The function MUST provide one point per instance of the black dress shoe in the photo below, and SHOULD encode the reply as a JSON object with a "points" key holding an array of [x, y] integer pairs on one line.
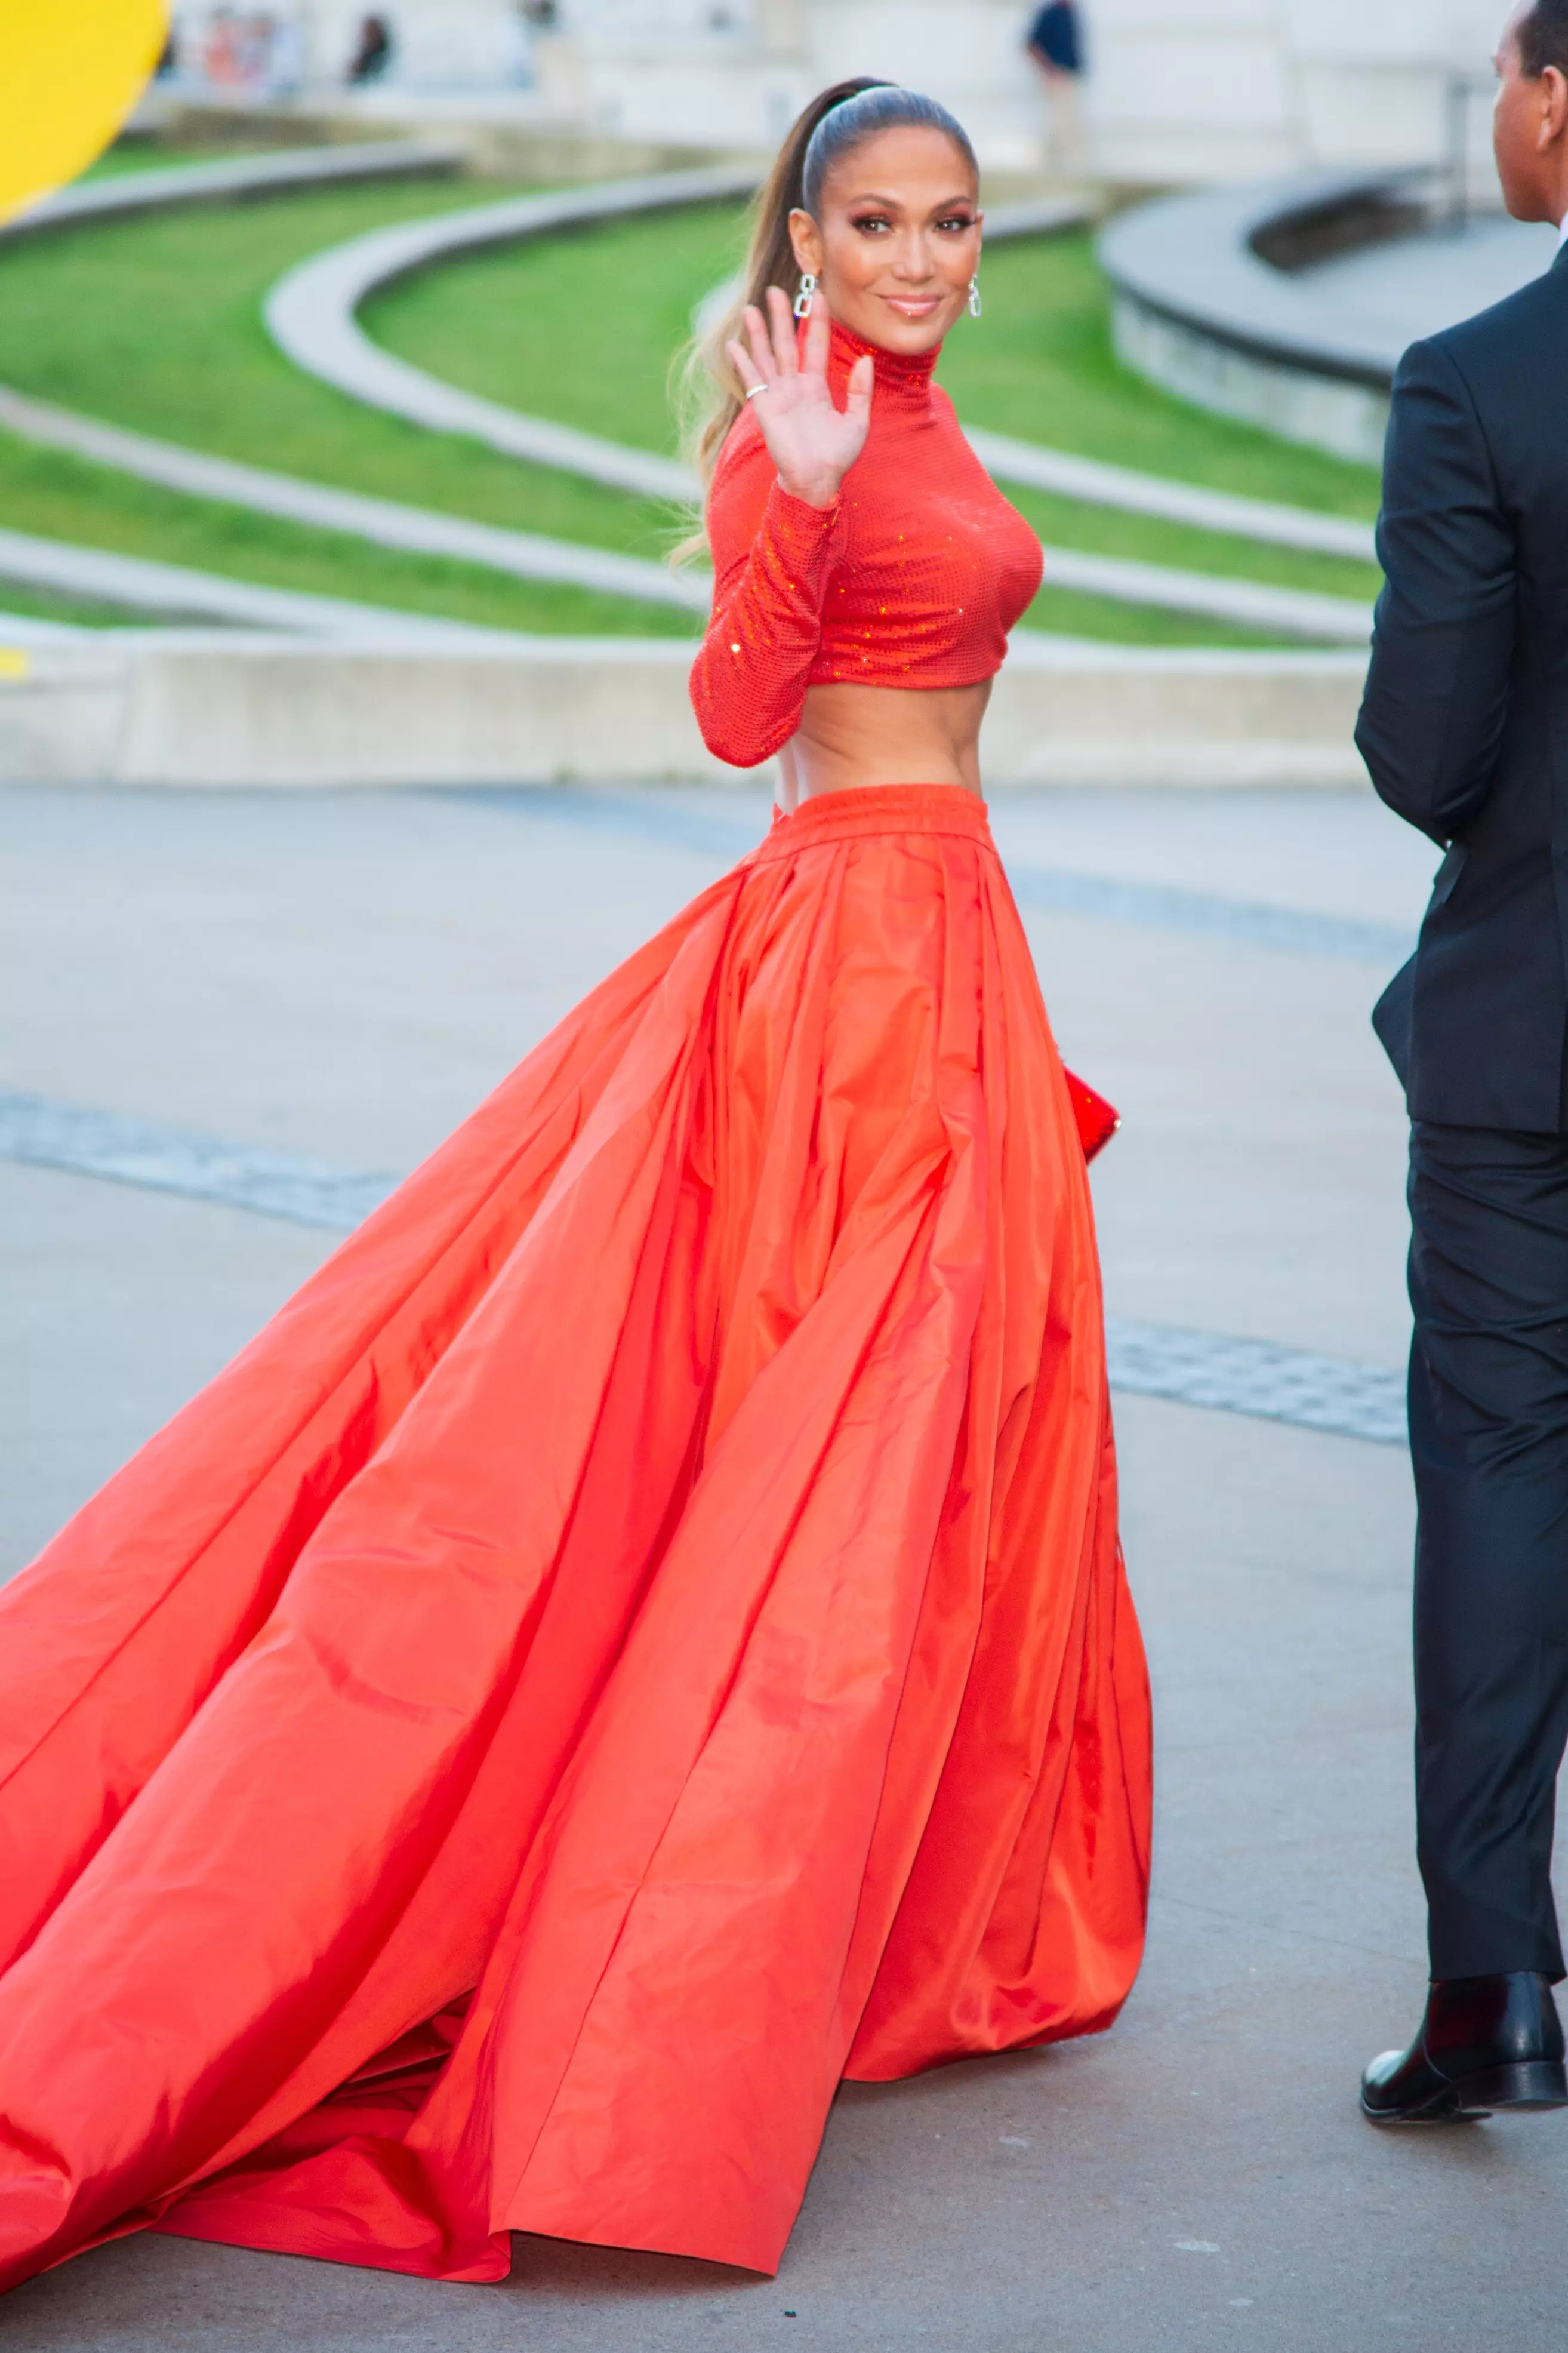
{"points": [[1485, 2044]]}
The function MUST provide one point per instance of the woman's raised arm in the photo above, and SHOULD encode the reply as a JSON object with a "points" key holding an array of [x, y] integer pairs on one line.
{"points": [[770, 523]]}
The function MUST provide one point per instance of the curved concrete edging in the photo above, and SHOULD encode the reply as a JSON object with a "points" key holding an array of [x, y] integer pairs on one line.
{"points": [[137, 583], [205, 707], [1194, 259], [1035, 468], [231, 181], [1210, 596], [1201, 312], [386, 522], [311, 315]]}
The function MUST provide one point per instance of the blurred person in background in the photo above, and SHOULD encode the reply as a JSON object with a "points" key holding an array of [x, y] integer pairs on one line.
{"points": [[373, 51], [285, 58], [223, 50], [239, 50], [1056, 44]]}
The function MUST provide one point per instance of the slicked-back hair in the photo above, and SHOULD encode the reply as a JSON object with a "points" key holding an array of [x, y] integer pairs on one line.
{"points": [[1543, 39], [864, 114]]}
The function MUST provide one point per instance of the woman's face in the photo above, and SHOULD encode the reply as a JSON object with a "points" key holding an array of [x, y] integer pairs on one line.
{"points": [[899, 239]]}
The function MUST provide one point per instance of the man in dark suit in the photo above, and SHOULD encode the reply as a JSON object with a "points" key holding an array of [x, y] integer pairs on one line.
{"points": [[1465, 730]]}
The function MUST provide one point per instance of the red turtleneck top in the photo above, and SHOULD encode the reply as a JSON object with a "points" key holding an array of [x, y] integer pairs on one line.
{"points": [[912, 577]]}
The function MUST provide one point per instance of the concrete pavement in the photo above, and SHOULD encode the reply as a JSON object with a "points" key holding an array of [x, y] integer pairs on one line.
{"points": [[344, 975]]}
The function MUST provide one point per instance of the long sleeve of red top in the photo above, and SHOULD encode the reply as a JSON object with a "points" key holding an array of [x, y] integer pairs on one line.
{"points": [[771, 566]]}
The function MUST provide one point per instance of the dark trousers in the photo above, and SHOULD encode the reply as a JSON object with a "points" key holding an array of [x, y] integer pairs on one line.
{"points": [[1488, 1440]]}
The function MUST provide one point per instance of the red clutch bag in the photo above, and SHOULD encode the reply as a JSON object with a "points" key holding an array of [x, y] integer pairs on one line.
{"points": [[1098, 1121]]}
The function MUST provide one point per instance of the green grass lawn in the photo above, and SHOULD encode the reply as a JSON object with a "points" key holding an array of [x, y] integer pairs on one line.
{"points": [[61, 497], [80, 612], [155, 323]]}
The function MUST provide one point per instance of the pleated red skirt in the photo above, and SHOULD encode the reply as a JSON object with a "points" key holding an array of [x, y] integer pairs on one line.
{"points": [[640, 1636]]}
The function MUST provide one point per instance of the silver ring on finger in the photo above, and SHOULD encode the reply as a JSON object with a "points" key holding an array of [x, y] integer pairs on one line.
{"points": [[755, 389]]}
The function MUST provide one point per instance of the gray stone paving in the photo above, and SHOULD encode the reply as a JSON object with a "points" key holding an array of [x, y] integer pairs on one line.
{"points": [[1208, 1368], [1195, 1367], [341, 976], [1237, 1376], [1298, 930], [38, 1133]]}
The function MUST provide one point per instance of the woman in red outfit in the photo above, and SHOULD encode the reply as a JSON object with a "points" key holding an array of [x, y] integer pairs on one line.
{"points": [[641, 1635]]}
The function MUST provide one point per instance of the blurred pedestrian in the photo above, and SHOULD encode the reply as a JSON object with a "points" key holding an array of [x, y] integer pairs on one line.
{"points": [[1056, 44], [222, 59], [285, 58], [373, 52]]}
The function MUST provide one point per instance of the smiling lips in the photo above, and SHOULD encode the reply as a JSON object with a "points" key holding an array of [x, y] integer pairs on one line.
{"points": [[913, 306]]}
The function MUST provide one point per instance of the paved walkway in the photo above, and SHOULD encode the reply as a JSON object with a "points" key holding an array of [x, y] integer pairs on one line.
{"points": [[340, 977]]}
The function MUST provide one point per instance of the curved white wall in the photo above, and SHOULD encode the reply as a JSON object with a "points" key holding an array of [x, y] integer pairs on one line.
{"points": [[1197, 89], [1179, 89]]}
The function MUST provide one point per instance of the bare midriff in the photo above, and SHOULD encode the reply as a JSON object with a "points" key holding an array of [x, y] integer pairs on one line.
{"points": [[851, 736]]}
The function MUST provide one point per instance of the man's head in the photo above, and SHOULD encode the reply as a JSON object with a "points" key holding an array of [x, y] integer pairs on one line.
{"points": [[1529, 129]]}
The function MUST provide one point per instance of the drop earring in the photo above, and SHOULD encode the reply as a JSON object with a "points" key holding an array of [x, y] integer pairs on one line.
{"points": [[974, 303], [801, 305]]}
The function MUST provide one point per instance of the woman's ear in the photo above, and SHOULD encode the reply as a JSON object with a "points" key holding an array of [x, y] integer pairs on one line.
{"points": [[806, 238]]}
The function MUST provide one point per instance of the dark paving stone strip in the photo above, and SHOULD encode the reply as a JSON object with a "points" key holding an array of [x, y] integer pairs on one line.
{"points": [[1051, 891], [1289, 931], [1202, 1368], [1254, 1377], [45, 1134]]}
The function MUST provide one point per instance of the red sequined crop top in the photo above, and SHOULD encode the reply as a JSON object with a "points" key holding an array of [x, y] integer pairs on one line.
{"points": [[913, 577]]}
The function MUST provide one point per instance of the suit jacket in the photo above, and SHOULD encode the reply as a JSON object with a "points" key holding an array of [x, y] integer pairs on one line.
{"points": [[1464, 725]]}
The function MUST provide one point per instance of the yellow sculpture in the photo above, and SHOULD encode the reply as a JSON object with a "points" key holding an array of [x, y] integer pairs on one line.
{"points": [[70, 72]]}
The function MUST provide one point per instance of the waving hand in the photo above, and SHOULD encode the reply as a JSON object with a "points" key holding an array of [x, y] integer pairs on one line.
{"points": [[812, 443]]}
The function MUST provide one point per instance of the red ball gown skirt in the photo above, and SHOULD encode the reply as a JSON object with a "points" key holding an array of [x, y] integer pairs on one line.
{"points": [[639, 1637]]}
